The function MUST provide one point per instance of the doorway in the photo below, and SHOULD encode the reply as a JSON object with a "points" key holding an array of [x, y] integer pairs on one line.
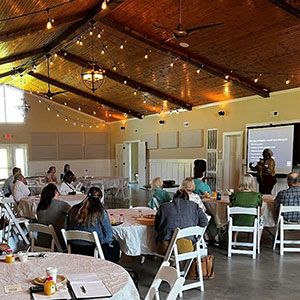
{"points": [[131, 161], [12, 156], [232, 158]]}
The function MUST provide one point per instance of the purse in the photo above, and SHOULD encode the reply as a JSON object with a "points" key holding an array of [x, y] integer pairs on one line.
{"points": [[207, 264]]}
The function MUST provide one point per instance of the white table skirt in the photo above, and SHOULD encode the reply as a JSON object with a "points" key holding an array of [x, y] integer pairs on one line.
{"points": [[116, 279], [27, 206], [134, 238]]}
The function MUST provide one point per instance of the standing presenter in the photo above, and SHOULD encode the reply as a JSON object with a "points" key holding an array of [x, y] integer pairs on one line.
{"points": [[265, 169]]}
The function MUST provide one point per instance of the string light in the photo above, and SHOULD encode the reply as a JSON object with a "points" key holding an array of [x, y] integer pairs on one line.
{"points": [[34, 68], [226, 76], [198, 71], [65, 103], [66, 119], [81, 125], [102, 51], [104, 4], [115, 68], [256, 79], [51, 61], [79, 108], [91, 31], [48, 108], [55, 54], [146, 54], [125, 81], [287, 81], [94, 112], [122, 46], [134, 93], [125, 115], [74, 123], [172, 64], [109, 114], [99, 35]]}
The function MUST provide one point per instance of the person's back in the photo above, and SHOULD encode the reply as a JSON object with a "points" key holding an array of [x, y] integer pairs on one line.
{"points": [[55, 214], [290, 197], [201, 187], [161, 196], [178, 213]]}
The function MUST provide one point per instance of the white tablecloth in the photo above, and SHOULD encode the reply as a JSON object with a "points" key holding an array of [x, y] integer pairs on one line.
{"points": [[116, 279], [36, 189], [134, 238], [107, 182], [27, 206]]}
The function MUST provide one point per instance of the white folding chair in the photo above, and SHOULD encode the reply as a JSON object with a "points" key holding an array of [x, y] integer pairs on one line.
{"points": [[12, 221], [92, 237], [168, 274], [172, 254], [123, 189], [254, 229], [44, 229], [282, 226], [156, 202]]}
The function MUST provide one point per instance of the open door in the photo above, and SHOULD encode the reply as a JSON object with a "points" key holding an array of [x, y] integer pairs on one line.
{"points": [[142, 164], [126, 160]]}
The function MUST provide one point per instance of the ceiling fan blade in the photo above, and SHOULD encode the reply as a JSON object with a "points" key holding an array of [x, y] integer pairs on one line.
{"points": [[191, 30], [161, 27], [57, 93], [169, 39]]}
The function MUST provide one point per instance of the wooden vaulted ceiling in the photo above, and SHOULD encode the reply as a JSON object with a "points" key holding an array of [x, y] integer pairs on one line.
{"points": [[258, 38]]}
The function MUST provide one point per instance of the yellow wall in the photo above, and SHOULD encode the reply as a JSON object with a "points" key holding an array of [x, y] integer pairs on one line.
{"points": [[238, 113], [39, 119]]}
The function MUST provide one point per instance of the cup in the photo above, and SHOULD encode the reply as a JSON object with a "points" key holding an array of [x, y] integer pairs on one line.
{"points": [[23, 257], [51, 272]]}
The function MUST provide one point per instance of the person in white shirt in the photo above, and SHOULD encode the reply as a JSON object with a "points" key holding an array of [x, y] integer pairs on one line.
{"points": [[67, 188], [20, 188], [9, 182]]}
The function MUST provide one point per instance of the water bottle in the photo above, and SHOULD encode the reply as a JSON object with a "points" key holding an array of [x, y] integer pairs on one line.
{"points": [[219, 196]]}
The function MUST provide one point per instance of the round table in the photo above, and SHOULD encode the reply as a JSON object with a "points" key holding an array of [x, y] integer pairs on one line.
{"points": [[116, 279]]}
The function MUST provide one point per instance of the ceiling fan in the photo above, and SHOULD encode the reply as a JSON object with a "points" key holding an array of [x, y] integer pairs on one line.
{"points": [[179, 32], [49, 94]]}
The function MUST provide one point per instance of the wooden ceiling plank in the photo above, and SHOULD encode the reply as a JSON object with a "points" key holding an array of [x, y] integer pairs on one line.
{"points": [[84, 94], [198, 62], [287, 7], [20, 56], [121, 78]]}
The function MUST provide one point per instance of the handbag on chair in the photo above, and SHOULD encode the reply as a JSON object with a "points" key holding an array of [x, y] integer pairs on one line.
{"points": [[207, 264]]}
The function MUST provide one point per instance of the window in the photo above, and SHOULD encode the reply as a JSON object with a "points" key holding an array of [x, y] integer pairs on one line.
{"points": [[11, 103]]}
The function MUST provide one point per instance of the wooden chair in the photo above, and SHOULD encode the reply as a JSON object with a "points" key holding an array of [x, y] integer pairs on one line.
{"points": [[49, 230], [199, 250], [92, 237], [283, 226], [12, 222], [255, 245], [169, 275]]}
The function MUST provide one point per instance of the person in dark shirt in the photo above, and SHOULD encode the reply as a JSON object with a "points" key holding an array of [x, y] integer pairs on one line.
{"points": [[180, 213]]}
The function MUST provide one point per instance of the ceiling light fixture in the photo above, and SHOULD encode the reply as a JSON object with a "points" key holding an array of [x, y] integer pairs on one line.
{"points": [[184, 45], [93, 75], [50, 21]]}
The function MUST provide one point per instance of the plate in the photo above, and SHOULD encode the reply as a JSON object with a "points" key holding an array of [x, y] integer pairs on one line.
{"points": [[116, 223], [41, 280]]}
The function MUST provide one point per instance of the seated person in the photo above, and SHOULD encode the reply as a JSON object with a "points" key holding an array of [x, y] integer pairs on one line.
{"points": [[290, 197], [189, 186], [90, 215], [246, 197], [4, 247], [52, 211], [66, 169], [161, 195], [212, 232], [51, 177], [9, 182], [180, 213], [200, 187], [67, 188], [20, 188]]}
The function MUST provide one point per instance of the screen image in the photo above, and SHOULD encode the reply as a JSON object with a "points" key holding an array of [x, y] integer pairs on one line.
{"points": [[279, 139]]}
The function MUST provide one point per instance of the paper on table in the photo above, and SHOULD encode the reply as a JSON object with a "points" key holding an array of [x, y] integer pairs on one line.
{"points": [[88, 286], [61, 294]]}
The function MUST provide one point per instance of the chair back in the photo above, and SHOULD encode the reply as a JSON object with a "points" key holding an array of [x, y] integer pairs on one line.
{"points": [[284, 209], [92, 237], [49, 230], [156, 202], [167, 274]]}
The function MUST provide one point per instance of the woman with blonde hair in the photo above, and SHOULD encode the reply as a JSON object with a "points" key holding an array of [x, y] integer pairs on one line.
{"points": [[90, 215], [245, 197], [161, 195]]}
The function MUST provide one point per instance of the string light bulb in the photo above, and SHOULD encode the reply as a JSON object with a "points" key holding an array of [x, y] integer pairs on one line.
{"points": [[172, 64], [65, 103], [74, 123], [226, 76], [287, 81], [94, 112], [104, 4], [50, 22], [115, 68], [48, 108], [125, 81], [255, 79], [146, 56], [57, 115], [91, 32], [99, 35], [198, 71], [134, 93], [102, 51], [51, 61], [122, 46], [66, 119]]}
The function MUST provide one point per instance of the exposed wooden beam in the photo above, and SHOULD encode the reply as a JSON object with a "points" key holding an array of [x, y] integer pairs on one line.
{"points": [[81, 93], [197, 61], [287, 7], [21, 55], [121, 78]]}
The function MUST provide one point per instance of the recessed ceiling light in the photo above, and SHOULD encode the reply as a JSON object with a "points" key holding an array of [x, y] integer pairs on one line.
{"points": [[184, 45]]}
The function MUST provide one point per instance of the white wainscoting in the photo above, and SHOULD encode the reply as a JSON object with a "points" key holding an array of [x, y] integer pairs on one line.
{"points": [[95, 167], [170, 169]]}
